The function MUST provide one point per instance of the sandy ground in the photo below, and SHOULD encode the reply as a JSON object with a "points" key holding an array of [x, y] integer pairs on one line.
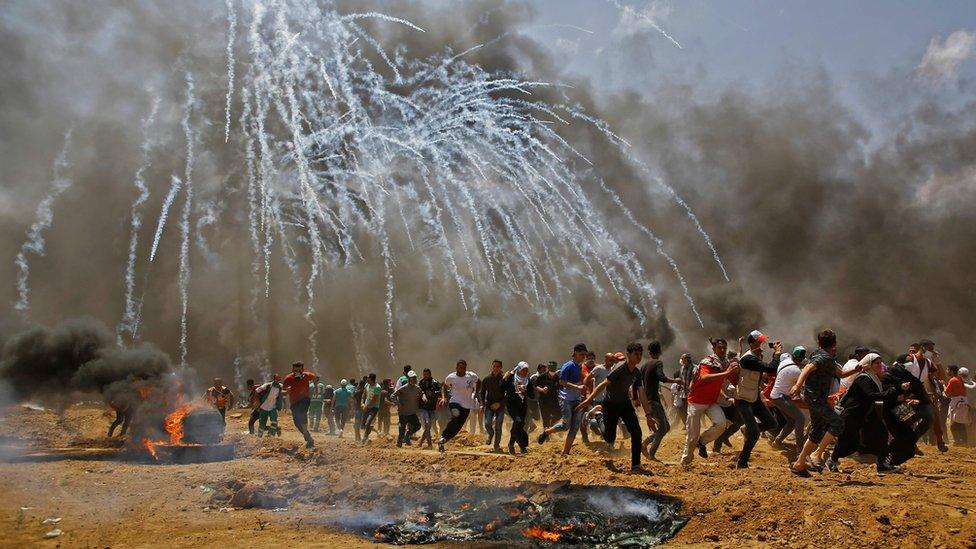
{"points": [[119, 503]]}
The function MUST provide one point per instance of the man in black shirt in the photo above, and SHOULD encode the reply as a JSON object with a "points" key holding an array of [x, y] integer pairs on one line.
{"points": [[492, 397], [621, 381], [430, 391], [652, 374], [815, 381]]}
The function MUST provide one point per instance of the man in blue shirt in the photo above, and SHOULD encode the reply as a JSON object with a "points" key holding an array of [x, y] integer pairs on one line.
{"points": [[570, 385]]}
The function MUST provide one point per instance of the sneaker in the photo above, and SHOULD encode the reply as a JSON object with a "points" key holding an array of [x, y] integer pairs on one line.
{"points": [[918, 452], [440, 445], [399, 444], [637, 469], [543, 438], [702, 451], [884, 468], [832, 465], [497, 449], [309, 444], [942, 447], [511, 449], [489, 439], [523, 450]]}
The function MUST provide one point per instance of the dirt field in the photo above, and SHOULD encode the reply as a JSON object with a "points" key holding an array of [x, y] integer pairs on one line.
{"points": [[107, 502]]}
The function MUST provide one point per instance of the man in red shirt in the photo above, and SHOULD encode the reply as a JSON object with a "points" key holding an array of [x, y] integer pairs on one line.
{"points": [[296, 384], [702, 396]]}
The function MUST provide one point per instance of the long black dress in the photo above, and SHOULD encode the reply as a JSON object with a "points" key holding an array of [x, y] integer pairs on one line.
{"points": [[517, 407], [864, 429]]}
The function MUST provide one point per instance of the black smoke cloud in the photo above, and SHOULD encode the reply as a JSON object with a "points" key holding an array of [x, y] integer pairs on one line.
{"points": [[816, 226], [79, 356]]}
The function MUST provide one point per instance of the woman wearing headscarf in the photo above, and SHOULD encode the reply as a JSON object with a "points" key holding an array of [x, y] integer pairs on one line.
{"points": [[518, 387], [864, 429]]}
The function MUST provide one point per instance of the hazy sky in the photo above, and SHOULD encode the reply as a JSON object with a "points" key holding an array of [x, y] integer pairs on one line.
{"points": [[742, 40]]}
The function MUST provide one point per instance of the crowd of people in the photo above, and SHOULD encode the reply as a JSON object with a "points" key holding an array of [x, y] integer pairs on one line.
{"points": [[813, 405]]}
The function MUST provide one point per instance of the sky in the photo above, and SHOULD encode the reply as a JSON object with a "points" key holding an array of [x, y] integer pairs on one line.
{"points": [[749, 42]]}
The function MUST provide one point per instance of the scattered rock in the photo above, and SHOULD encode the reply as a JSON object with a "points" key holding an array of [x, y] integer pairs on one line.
{"points": [[53, 533], [709, 537], [51, 520], [883, 519], [760, 537], [249, 497]]}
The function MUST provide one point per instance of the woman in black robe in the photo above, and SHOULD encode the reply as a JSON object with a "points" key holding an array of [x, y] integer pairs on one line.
{"points": [[518, 387], [864, 429]]}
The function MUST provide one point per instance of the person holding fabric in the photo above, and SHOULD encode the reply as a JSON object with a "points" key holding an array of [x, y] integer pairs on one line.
{"points": [[518, 390]]}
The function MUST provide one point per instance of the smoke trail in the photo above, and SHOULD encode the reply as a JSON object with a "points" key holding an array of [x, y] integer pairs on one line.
{"points": [[184, 277], [129, 309], [43, 219], [174, 189], [231, 36], [629, 10]]}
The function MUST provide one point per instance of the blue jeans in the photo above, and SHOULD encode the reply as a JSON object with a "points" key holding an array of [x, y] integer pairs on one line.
{"points": [[427, 417], [661, 417], [493, 423], [571, 419]]}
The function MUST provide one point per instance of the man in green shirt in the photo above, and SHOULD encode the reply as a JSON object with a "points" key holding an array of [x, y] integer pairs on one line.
{"points": [[372, 395]]}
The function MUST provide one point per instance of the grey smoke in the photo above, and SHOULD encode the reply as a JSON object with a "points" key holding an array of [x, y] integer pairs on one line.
{"points": [[815, 226]]}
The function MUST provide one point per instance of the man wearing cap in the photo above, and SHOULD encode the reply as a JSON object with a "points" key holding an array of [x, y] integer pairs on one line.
{"points": [[787, 372], [297, 385], [752, 374], [408, 398], [570, 387]]}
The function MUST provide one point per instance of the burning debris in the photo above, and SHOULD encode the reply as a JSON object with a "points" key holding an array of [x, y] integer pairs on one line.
{"points": [[554, 513]]}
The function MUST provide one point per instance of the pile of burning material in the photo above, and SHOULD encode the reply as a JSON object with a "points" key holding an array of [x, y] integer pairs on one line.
{"points": [[600, 516], [194, 436]]}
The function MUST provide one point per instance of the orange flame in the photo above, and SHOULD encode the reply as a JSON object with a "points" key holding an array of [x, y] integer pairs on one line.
{"points": [[465, 506], [174, 424], [490, 527], [150, 447], [537, 532], [514, 512]]}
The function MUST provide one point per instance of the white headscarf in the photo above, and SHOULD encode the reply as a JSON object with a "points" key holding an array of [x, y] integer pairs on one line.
{"points": [[521, 382], [866, 368]]}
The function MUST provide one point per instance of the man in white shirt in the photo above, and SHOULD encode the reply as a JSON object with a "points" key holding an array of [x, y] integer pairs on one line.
{"points": [[851, 364], [462, 385]]}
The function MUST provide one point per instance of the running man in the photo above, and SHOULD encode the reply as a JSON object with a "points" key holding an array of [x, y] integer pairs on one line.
{"points": [[616, 406], [372, 398], [462, 385], [492, 397], [221, 398], [297, 384], [652, 374], [408, 397], [428, 405], [570, 387], [269, 402]]}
